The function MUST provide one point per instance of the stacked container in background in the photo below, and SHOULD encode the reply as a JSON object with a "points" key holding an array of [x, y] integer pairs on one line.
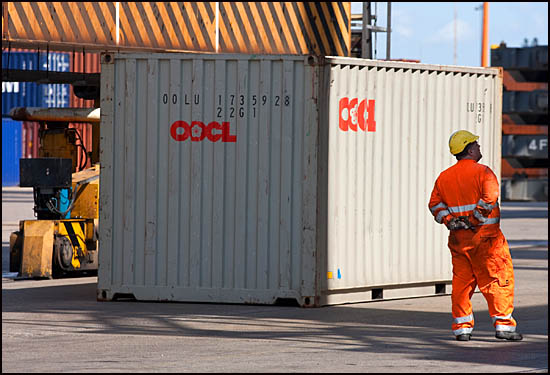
{"points": [[524, 122], [30, 94], [11, 151], [27, 94], [84, 63]]}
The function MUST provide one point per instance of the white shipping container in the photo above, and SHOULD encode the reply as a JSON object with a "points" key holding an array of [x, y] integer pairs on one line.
{"points": [[253, 178]]}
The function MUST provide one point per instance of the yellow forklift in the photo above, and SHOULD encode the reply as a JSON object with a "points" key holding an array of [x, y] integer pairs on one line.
{"points": [[63, 240]]}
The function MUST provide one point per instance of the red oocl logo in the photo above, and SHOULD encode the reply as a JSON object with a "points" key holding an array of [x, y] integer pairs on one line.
{"points": [[198, 131], [353, 115]]}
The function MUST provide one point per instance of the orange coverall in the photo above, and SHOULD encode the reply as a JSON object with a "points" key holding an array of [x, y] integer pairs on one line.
{"points": [[480, 256]]}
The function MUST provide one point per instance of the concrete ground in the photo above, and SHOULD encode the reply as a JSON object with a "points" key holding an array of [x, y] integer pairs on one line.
{"points": [[58, 326]]}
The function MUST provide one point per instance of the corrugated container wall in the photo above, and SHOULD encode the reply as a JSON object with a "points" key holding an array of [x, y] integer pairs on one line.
{"points": [[246, 179], [380, 232], [19, 94]]}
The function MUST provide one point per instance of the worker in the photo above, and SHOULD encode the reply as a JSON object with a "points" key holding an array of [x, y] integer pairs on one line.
{"points": [[465, 199]]}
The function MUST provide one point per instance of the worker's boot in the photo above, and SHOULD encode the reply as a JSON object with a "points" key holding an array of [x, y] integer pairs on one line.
{"points": [[512, 336], [464, 337]]}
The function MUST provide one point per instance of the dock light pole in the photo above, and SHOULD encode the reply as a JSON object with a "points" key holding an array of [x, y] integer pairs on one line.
{"points": [[485, 36]]}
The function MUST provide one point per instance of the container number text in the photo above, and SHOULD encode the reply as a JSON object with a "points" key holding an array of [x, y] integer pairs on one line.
{"points": [[236, 103]]}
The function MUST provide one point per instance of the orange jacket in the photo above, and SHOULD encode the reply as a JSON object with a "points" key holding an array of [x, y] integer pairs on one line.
{"points": [[468, 189]]}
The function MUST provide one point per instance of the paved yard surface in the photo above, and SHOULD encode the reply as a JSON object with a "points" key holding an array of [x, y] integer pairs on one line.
{"points": [[58, 326]]}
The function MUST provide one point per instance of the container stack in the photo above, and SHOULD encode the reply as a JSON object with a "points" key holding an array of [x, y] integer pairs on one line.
{"points": [[21, 138], [524, 122], [27, 94], [78, 63]]}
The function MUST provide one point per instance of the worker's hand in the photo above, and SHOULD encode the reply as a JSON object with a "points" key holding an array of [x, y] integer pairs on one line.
{"points": [[457, 223], [467, 222], [473, 221]]}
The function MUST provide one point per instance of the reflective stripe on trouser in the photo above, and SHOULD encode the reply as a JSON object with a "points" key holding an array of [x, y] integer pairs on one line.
{"points": [[463, 324], [485, 262], [504, 323], [464, 285]]}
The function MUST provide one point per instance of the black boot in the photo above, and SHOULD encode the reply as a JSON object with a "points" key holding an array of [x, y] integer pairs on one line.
{"points": [[464, 337], [512, 336]]}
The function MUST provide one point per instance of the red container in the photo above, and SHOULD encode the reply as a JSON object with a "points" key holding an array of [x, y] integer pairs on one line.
{"points": [[85, 63], [31, 142]]}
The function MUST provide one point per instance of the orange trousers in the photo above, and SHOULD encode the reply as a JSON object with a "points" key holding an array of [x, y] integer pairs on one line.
{"points": [[483, 262]]}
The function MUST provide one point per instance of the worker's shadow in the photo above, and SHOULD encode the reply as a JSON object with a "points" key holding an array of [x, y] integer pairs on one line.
{"points": [[356, 327]]}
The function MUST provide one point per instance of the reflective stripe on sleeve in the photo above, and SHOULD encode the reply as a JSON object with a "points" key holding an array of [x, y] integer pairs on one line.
{"points": [[441, 215], [466, 208], [495, 318], [503, 328], [485, 206], [437, 207], [462, 331], [493, 220], [464, 319], [479, 216]]}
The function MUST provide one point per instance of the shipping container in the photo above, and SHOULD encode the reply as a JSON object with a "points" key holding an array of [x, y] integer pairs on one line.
{"points": [[525, 58], [84, 63], [528, 146], [522, 167], [530, 102], [19, 94], [525, 122], [30, 94], [514, 81], [256, 178], [78, 62], [525, 188], [11, 152], [31, 140]]}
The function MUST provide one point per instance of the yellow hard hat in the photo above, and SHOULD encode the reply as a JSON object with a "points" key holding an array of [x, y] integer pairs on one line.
{"points": [[459, 140]]}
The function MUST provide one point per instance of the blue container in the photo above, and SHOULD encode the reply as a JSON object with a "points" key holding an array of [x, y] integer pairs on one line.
{"points": [[534, 58], [11, 151], [28, 94]]}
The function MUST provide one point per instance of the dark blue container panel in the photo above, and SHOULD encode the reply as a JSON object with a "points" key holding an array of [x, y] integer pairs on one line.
{"points": [[535, 58], [11, 151], [28, 94], [535, 102]]}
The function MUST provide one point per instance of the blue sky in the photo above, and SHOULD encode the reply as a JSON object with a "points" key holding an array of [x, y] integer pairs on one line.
{"points": [[425, 31]]}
